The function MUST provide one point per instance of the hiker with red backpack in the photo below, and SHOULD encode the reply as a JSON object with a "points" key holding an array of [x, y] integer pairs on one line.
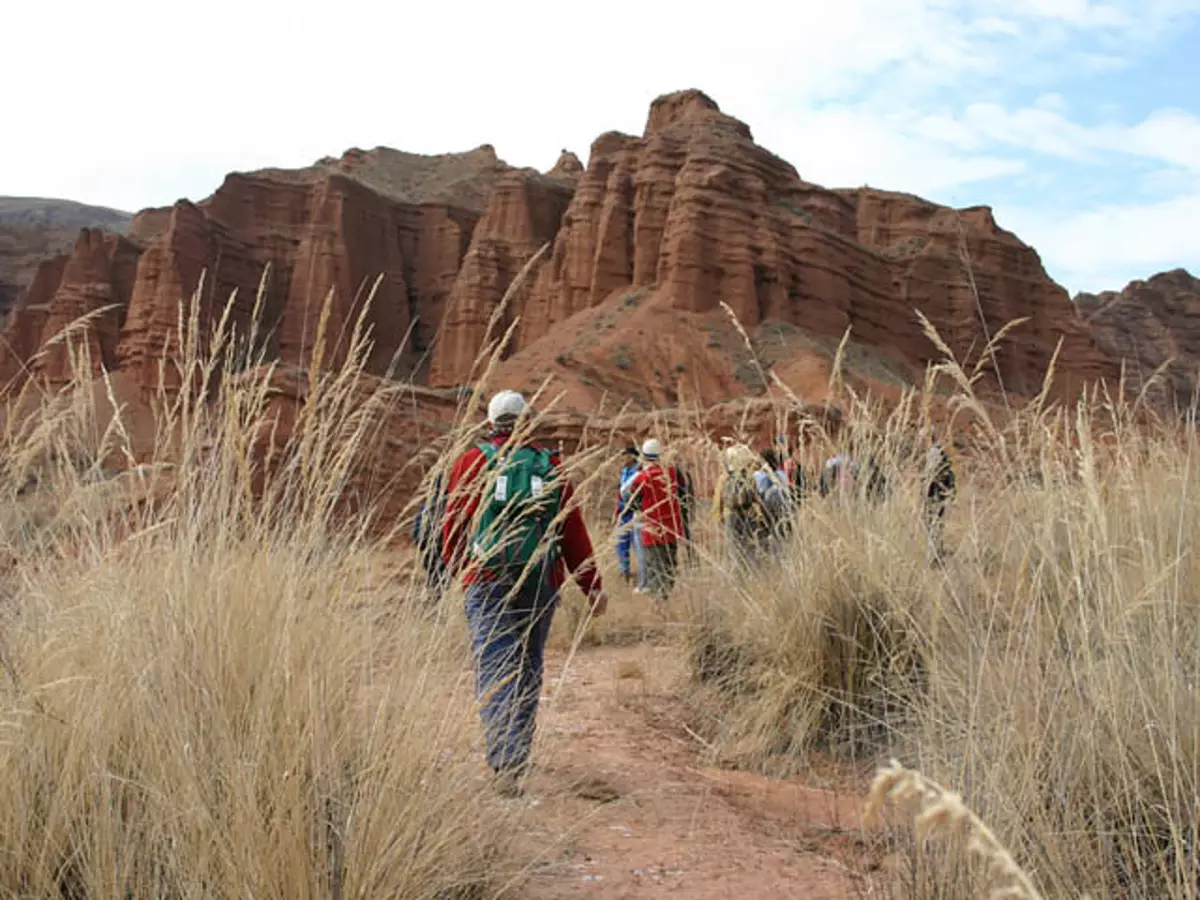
{"points": [[655, 491], [513, 520]]}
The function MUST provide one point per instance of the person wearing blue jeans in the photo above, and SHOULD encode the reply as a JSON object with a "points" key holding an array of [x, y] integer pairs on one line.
{"points": [[508, 643], [509, 623], [624, 516]]}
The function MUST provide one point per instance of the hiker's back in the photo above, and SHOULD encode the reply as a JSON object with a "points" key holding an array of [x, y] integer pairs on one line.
{"points": [[742, 508], [660, 504], [517, 511]]}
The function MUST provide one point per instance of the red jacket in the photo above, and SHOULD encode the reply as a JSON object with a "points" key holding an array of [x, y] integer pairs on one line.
{"points": [[662, 516], [576, 545]]}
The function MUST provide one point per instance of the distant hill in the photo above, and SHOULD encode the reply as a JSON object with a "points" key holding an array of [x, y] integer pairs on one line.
{"points": [[35, 228], [42, 212]]}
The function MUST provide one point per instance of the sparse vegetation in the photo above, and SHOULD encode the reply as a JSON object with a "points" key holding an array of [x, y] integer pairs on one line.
{"points": [[1047, 671], [622, 359], [211, 688], [215, 684]]}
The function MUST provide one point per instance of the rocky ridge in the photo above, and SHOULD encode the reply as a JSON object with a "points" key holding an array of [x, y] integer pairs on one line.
{"points": [[1150, 324], [693, 214], [649, 251]]}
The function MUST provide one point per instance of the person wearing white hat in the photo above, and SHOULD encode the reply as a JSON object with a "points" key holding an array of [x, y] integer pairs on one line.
{"points": [[737, 505], [656, 493], [513, 525], [504, 409]]}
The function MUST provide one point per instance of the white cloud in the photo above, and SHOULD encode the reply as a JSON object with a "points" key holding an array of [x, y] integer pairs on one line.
{"points": [[162, 100], [996, 25], [1170, 137], [1076, 12], [847, 147], [234, 84], [1107, 247], [1053, 101]]}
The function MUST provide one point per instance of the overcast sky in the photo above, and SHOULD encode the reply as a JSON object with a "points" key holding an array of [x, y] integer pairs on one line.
{"points": [[1077, 121]]}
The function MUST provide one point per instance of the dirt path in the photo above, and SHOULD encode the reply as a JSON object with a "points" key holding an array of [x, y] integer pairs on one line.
{"points": [[621, 804]]}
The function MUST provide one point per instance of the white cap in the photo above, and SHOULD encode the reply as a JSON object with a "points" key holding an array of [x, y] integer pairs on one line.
{"points": [[505, 404], [652, 449], [739, 456]]}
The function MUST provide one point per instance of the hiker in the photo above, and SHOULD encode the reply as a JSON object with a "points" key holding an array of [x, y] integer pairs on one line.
{"points": [[940, 487], [656, 493], [624, 514], [687, 504], [518, 553], [737, 506], [876, 488], [770, 483], [795, 476], [626, 496], [840, 472], [427, 537]]}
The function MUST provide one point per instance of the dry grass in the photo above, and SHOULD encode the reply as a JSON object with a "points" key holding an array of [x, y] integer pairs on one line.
{"points": [[1048, 671], [220, 690], [225, 691]]}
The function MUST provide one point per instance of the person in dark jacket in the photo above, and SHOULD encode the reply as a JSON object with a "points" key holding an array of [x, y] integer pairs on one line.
{"points": [[940, 487], [876, 489], [687, 505]]}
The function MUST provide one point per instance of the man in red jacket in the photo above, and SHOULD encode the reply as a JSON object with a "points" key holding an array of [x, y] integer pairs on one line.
{"points": [[510, 619], [656, 492]]}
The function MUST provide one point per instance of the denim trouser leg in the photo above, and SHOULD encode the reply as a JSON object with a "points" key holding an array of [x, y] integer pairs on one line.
{"points": [[640, 555], [508, 640], [624, 545]]}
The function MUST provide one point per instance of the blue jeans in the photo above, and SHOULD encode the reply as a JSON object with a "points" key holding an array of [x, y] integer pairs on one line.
{"points": [[508, 642], [624, 545]]}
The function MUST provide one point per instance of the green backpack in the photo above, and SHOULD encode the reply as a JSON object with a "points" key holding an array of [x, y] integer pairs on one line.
{"points": [[517, 513]]}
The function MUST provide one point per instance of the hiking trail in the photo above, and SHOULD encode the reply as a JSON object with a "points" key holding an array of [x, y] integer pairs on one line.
{"points": [[622, 804]]}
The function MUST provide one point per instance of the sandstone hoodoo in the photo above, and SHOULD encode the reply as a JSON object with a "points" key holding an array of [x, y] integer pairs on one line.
{"points": [[694, 213], [647, 246], [1148, 324], [525, 211], [33, 229], [338, 226]]}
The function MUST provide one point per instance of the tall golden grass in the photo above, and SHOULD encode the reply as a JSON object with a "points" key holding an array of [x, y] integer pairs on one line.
{"points": [[213, 686], [228, 688], [1047, 672]]}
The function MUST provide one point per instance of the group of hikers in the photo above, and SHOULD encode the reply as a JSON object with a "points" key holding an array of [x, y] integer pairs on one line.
{"points": [[654, 516], [508, 522]]}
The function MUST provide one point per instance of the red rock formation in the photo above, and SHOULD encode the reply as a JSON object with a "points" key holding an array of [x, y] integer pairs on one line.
{"points": [[34, 228], [23, 330], [695, 212], [1148, 324], [649, 241], [332, 229], [525, 212], [94, 280]]}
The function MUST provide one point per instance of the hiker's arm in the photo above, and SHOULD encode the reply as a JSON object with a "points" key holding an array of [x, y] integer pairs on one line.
{"points": [[577, 545], [461, 503]]}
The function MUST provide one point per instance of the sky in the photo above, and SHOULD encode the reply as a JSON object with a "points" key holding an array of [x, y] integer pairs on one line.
{"points": [[1077, 121]]}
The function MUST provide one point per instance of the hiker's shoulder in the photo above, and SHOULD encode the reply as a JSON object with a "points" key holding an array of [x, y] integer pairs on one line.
{"points": [[550, 454], [470, 458]]}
